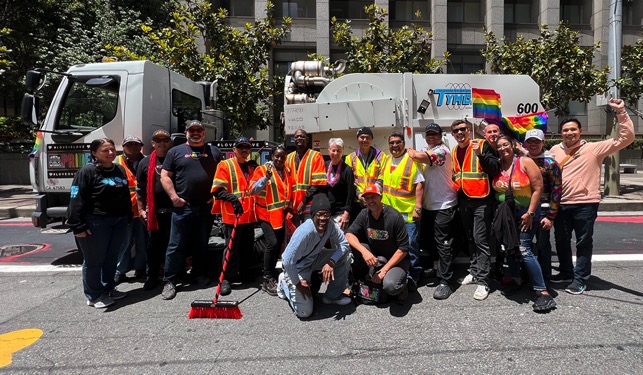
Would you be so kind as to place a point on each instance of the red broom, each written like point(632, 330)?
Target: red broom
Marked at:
point(216, 309)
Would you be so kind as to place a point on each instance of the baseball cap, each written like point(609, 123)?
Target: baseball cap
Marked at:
point(242, 141)
point(160, 134)
point(364, 130)
point(192, 123)
point(433, 128)
point(371, 189)
point(132, 139)
point(535, 133)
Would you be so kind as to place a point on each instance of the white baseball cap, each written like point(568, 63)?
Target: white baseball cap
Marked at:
point(535, 133)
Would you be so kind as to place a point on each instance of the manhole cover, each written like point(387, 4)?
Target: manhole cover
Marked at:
point(11, 250)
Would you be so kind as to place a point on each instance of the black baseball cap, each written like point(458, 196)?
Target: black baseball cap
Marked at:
point(242, 141)
point(433, 128)
point(364, 130)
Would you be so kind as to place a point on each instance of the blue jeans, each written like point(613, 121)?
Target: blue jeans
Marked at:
point(100, 252)
point(136, 235)
point(528, 257)
point(543, 247)
point(191, 225)
point(413, 230)
point(577, 218)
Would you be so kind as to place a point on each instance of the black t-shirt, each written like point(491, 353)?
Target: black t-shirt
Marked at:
point(384, 235)
point(161, 199)
point(341, 195)
point(193, 169)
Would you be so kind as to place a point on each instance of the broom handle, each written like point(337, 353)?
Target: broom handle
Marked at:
point(227, 254)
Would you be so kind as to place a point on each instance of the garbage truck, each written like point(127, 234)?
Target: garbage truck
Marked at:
point(327, 104)
point(113, 100)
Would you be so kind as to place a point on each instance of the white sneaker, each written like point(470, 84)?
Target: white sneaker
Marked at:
point(468, 280)
point(343, 300)
point(481, 293)
point(101, 302)
point(280, 286)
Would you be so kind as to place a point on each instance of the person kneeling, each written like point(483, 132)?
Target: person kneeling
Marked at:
point(384, 231)
point(306, 254)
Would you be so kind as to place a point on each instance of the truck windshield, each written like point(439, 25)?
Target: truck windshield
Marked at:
point(88, 107)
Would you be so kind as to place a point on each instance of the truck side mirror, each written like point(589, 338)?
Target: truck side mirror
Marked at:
point(34, 80)
point(29, 109)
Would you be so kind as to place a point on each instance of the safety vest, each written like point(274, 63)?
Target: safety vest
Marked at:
point(369, 175)
point(398, 188)
point(273, 199)
point(470, 176)
point(230, 177)
point(311, 172)
point(131, 183)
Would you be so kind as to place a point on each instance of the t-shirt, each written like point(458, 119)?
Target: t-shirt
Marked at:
point(161, 199)
point(439, 191)
point(384, 235)
point(193, 169)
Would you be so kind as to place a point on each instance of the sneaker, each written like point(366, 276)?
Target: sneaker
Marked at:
point(225, 288)
point(169, 291)
point(280, 283)
point(443, 291)
point(343, 300)
point(481, 293)
point(411, 285)
point(404, 294)
point(101, 302)
point(150, 283)
point(575, 288)
point(469, 279)
point(117, 294)
point(544, 302)
point(511, 289)
point(269, 286)
point(560, 279)
point(120, 278)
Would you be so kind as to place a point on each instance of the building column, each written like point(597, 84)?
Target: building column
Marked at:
point(549, 13)
point(494, 20)
point(323, 28)
point(439, 28)
point(596, 116)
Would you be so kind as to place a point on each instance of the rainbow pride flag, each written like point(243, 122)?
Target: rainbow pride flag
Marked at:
point(40, 137)
point(486, 104)
point(517, 126)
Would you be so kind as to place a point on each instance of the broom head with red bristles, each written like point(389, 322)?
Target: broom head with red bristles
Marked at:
point(207, 309)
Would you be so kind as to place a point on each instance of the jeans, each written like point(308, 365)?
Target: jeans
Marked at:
point(413, 230)
point(437, 231)
point(241, 251)
point(542, 247)
point(190, 225)
point(157, 245)
point(274, 239)
point(303, 307)
point(136, 235)
point(577, 218)
point(528, 257)
point(100, 253)
point(476, 215)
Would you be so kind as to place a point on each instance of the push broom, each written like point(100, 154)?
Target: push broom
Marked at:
point(215, 309)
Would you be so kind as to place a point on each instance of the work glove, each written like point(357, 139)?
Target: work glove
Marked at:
point(238, 207)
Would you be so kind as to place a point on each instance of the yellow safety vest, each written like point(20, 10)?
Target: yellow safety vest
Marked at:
point(399, 190)
point(365, 176)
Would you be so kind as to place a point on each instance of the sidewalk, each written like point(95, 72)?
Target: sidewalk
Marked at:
point(18, 200)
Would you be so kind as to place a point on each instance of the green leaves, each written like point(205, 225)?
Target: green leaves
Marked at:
point(555, 60)
point(630, 83)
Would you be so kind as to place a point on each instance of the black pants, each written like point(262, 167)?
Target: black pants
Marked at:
point(274, 240)
point(476, 215)
point(242, 248)
point(157, 245)
point(437, 229)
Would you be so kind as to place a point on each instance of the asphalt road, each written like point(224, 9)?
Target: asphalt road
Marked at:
point(595, 333)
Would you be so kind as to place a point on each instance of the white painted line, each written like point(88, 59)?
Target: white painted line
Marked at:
point(37, 268)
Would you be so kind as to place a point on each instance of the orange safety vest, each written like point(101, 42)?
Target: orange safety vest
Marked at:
point(230, 177)
point(398, 187)
point(311, 172)
point(470, 176)
point(273, 199)
point(131, 183)
point(369, 175)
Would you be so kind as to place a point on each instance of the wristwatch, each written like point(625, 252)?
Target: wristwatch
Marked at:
point(418, 210)
point(532, 214)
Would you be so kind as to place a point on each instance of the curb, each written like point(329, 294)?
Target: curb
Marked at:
point(15, 212)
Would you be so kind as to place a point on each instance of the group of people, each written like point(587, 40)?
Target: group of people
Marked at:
point(362, 216)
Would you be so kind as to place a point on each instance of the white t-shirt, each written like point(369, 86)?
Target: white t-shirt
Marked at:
point(439, 193)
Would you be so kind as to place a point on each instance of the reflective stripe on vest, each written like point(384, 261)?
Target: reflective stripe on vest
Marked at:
point(131, 184)
point(400, 196)
point(271, 197)
point(365, 176)
point(237, 187)
point(473, 181)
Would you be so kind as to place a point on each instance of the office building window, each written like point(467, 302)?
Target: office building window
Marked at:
point(408, 10)
point(349, 10)
point(465, 64)
point(295, 8)
point(236, 8)
point(521, 11)
point(467, 11)
point(577, 108)
point(576, 12)
point(632, 13)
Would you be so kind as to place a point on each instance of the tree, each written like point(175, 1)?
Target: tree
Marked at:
point(382, 50)
point(630, 84)
point(202, 46)
point(555, 60)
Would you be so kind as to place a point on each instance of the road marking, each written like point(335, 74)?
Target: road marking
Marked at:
point(15, 268)
point(15, 341)
point(621, 219)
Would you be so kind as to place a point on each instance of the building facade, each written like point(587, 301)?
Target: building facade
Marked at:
point(457, 27)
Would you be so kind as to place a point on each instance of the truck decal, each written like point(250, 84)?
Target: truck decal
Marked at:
point(63, 161)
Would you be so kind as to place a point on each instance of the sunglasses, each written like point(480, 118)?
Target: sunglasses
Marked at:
point(458, 130)
point(162, 140)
